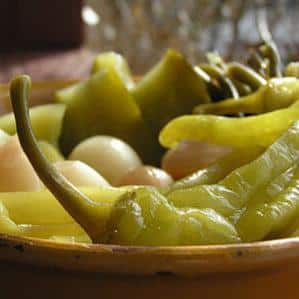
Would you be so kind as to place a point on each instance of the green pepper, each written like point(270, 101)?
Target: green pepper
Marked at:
point(270, 52)
point(118, 63)
point(46, 122)
point(260, 64)
point(220, 85)
point(242, 88)
point(218, 170)
point(276, 94)
point(170, 89)
point(81, 208)
point(141, 216)
point(102, 105)
point(260, 130)
point(39, 214)
point(234, 192)
point(245, 74)
point(263, 218)
point(268, 49)
point(279, 183)
point(147, 218)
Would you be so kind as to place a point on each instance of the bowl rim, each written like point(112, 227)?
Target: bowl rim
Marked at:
point(149, 260)
point(264, 246)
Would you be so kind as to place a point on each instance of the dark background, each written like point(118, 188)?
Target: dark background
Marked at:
point(49, 39)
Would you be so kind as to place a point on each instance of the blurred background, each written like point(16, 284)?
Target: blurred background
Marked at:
point(55, 39)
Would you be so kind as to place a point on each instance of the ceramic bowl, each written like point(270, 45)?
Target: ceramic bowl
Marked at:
point(36, 268)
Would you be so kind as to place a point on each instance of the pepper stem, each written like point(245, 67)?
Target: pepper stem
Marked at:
point(78, 205)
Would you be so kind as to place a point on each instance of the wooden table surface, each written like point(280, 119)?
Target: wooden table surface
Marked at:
point(43, 65)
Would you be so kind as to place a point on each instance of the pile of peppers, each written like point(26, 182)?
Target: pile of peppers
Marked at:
point(250, 194)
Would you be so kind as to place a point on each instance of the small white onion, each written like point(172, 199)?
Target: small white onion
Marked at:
point(189, 156)
point(16, 172)
point(110, 156)
point(80, 174)
point(146, 175)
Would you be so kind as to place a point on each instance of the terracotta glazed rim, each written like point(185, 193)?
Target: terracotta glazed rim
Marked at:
point(145, 260)
point(277, 244)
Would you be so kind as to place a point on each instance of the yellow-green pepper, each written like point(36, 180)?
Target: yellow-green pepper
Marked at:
point(39, 214)
point(147, 218)
point(276, 94)
point(140, 216)
point(240, 186)
point(170, 89)
point(260, 130)
point(118, 63)
point(263, 218)
point(46, 122)
point(103, 105)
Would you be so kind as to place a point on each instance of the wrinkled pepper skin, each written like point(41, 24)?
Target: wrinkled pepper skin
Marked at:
point(102, 105)
point(170, 89)
point(147, 218)
point(255, 201)
point(74, 201)
point(140, 216)
point(276, 94)
point(238, 188)
point(260, 130)
point(267, 218)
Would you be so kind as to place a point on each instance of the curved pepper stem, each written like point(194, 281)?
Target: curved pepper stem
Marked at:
point(246, 75)
point(269, 50)
point(79, 206)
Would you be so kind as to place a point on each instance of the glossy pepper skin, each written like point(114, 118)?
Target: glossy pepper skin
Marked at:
point(220, 85)
point(276, 94)
point(170, 89)
point(147, 218)
point(260, 130)
point(142, 216)
point(102, 105)
point(245, 74)
point(243, 184)
point(118, 63)
point(79, 206)
point(39, 214)
point(260, 64)
point(218, 170)
point(268, 218)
